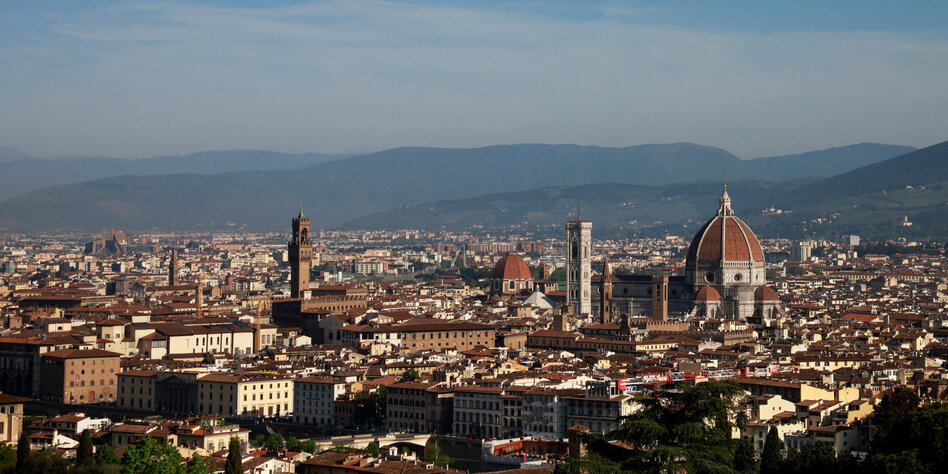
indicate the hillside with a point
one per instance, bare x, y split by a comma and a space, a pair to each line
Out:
21, 173
826, 163
873, 200
340, 191
673, 207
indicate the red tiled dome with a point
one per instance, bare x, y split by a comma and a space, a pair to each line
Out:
707, 294
511, 267
766, 293
739, 242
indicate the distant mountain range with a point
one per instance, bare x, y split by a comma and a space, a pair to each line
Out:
21, 173
875, 201
530, 183
826, 163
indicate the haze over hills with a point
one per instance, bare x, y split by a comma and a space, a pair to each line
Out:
875, 199
340, 191
607, 205
872, 201
21, 173
826, 163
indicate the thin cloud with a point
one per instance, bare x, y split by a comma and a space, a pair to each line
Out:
147, 78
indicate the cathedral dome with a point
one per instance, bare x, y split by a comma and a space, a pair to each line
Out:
707, 294
766, 293
724, 238
511, 267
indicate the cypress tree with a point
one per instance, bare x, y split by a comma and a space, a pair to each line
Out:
23, 454
84, 452
233, 464
770, 458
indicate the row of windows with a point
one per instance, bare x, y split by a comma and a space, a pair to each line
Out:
92, 371
82, 383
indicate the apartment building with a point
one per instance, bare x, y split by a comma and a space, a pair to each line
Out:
161, 391
314, 399
247, 395
600, 415
79, 376
477, 412
406, 407
545, 411
415, 335
136, 389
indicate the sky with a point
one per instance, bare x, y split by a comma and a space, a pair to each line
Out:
757, 78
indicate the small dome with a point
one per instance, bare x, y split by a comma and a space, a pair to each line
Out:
511, 267
766, 293
707, 294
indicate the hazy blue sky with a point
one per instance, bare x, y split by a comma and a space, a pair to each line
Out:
755, 77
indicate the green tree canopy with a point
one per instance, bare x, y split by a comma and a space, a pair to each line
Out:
152, 456
770, 459
84, 451
23, 454
687, 429
233, 464
373, 448
410, 375
894, 408
274, 442
48, 461
106, 455
438, 456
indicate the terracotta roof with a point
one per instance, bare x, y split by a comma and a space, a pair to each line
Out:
766, 293
740, 243
80, 354
6, 399
511, 267
707, 293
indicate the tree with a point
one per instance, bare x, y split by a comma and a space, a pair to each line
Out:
84, 451
152, 456
258, 440
924, 429
234, 464
740, 420
745, 460
904, 461
687, 429
373, 448
892, 411
309, 446
7, 459
106, 455
437, 456
410, 375
48, 460
293, 444
274, 442
23, 454
199, 465
770, 458
818, 457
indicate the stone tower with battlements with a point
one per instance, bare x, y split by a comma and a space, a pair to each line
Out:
300, 250
173, 268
